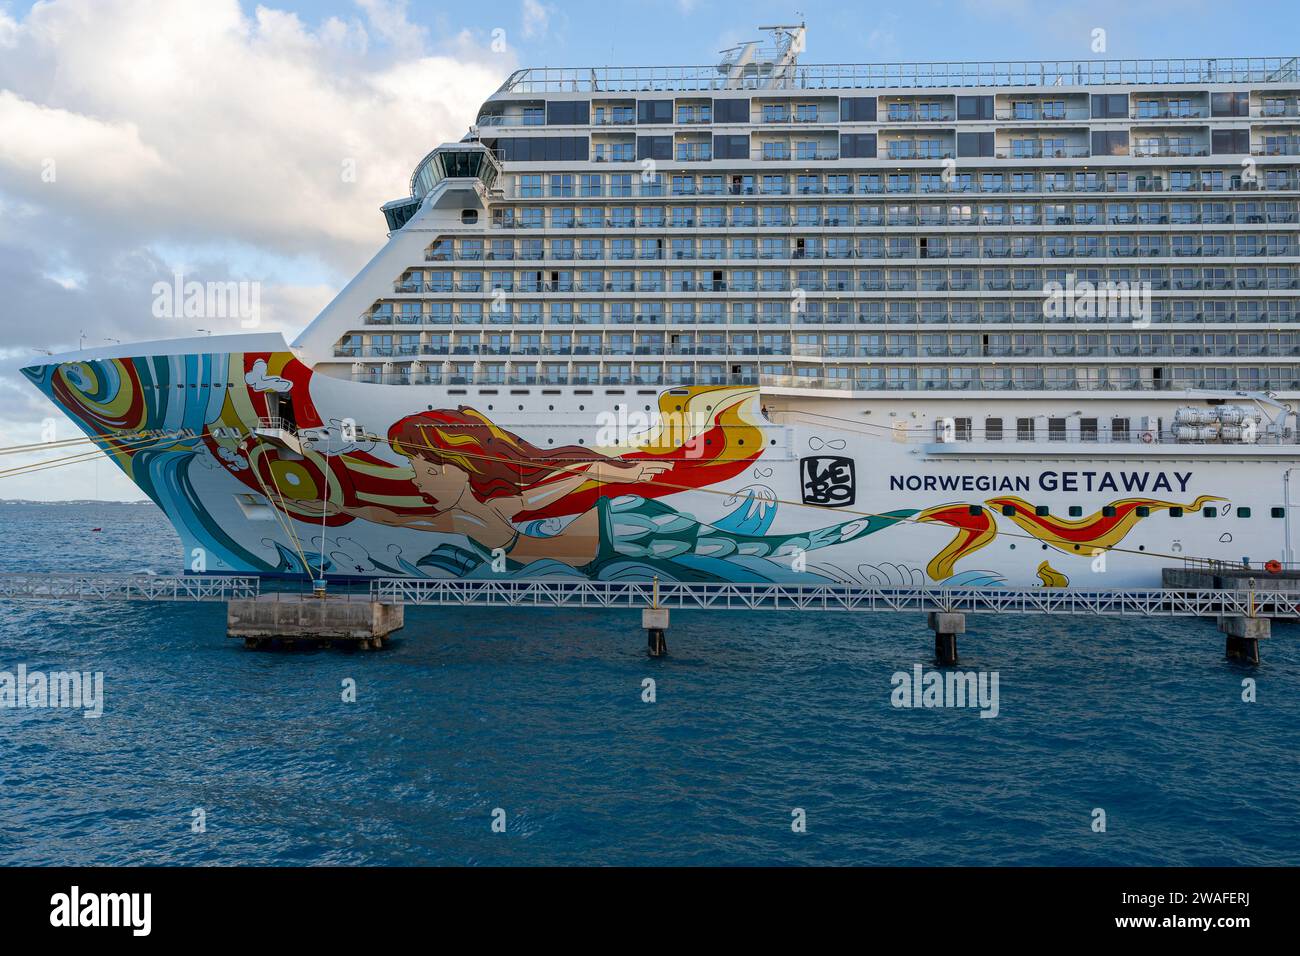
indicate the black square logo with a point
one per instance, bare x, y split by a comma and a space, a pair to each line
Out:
827, 480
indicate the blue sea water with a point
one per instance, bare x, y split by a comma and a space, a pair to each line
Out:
540, 713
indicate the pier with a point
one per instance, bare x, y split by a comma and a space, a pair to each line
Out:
292, 619
261, 619
365, 616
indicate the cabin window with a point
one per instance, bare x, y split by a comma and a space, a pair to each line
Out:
993, 429
1279, 512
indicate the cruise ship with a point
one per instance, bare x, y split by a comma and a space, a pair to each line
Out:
959, 324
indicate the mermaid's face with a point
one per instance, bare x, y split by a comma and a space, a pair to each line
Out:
441, 485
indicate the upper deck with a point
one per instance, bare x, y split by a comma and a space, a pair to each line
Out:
1205, 71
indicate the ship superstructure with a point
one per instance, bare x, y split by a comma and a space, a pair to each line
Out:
852, 229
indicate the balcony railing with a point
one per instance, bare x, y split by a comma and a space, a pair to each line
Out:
1025, 73
1165, 112
1043, 152
1289, 148
1169, 149
782, 154
1045, 115
916, 151
959, 186
893, 115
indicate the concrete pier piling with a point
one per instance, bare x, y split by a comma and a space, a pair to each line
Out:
946, 626
655, 622
1243, 636
291, 619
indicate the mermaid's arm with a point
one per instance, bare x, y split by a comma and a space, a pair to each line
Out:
613, 472
540, 495
379, 515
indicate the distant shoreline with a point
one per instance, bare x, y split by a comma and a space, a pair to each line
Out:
72, 501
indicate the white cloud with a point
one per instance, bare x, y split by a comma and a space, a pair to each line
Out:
388, 20
536, 19
8, 30
264, 141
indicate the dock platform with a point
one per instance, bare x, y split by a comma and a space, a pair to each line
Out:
292, 619
264, 614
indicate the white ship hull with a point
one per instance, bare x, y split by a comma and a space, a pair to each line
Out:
265, 467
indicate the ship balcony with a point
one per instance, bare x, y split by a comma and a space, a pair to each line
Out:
910, 149
802, 117
1280, 146
1168, 111
281, 432
898, 113
800, 152
1042, 150
1169, 150
1041, 114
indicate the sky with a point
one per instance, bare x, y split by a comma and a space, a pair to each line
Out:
235, 141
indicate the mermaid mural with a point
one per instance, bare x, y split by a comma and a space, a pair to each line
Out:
518, 506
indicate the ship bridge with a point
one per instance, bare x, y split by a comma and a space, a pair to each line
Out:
470, 165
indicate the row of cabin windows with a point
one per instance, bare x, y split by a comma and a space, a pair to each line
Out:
1090, 429
1076, 511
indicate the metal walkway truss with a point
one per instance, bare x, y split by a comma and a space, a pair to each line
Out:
1152, 602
